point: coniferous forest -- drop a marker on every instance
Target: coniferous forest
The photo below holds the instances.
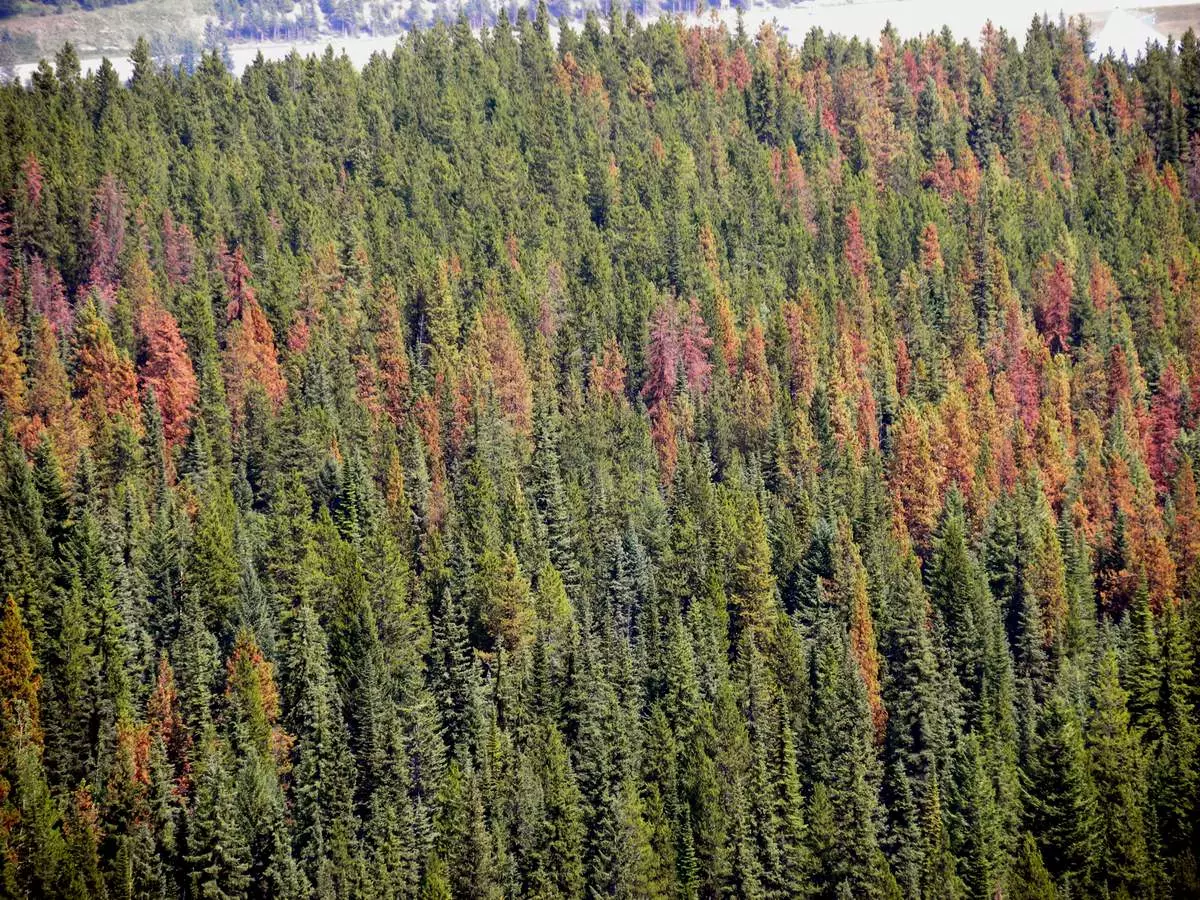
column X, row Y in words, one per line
column 633, row 460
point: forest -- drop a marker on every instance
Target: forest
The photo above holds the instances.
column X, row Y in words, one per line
column 634, row 460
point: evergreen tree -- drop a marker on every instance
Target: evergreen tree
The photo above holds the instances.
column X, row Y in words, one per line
column 217, row 857
column 1061, row 797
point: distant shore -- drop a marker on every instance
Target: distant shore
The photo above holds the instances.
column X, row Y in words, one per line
column 862, row 18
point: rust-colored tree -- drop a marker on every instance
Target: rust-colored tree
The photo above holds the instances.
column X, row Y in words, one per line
column 52, row 407
column 179, row 250
column 850, row 577
column 510, row 376
column 915, row 473
column 49, row 295
column 251, row 692
column 694, row 347
column 250, row 357
column 105, row 382
column 1054, row 286
column 666, row 441
column 12, row 378
column 19, row 683
column 662, row 356
column 855, row 249
column 752, row 401
column 1022, row 377
column 166, row 369
column 167, row 726
column 1185, row 530
column 107, row 238
column 606, row 378
column 1162, row 455
column 802, row 323
column 395, row 380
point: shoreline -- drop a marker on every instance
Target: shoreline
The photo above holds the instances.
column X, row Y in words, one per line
column 863, row 19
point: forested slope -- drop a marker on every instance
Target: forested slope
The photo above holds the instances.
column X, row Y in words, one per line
column 665, row 464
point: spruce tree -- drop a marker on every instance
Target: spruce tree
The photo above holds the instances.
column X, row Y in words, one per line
column 217, row 857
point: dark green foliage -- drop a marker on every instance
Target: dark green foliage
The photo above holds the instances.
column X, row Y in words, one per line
column 653, row 465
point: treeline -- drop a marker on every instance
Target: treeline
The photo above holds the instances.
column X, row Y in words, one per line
column 15, row 7
column 664, row 464
column 259, row 19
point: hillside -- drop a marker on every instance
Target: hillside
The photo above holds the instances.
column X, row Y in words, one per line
column 661, row 461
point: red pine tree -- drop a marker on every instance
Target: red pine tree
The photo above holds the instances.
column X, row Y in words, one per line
column 166, row 725
column 958, row 443
column 1102, row 287
column 510, row 377
column 429, row 421
column 856, row 247
column 753, row 399
column 49, row 295
column 931, row 249
column 179, row 250
column 395, row 381
column 607, row 375
column 1185, row 531
column 19, row 685
column 852, row 583
column 662, row 357
column 107, row 237
column 51, row 406
column 250, row 355
column 796, row 193
column 236, row 273
column 1120, row 383
column 727, row 333
column 662, row 431
column 31, row 171
column 903, row 366
column 1161, row 453
column 1021, row 376
column 1053, row 287
column 739, row 69
column 695, row 345
column 105, row 382
column 250, row 689
column 166, row 369
column 800, row 320
column 12, row 376
column 916, row 476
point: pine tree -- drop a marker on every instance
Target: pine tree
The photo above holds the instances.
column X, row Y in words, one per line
column 26, row 566
column 918, row 728
column 1061, row 797
column 105, row 383
column 1142, row 670
column 217, row 857
column 25, row 806
column 166, row 369
column 976, row 826
column 1119, row 772
column 550, row 845
column 1029, row 879
column 959, row 599
column 13, row 404
column 210, row 574
column 1174, row 771
column 322, row 770
column 847, row 767
column 250, row 355
column 463, row 833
